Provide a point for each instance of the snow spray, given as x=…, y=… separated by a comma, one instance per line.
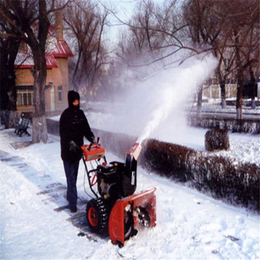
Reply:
x=151, y=108
x=172, y=89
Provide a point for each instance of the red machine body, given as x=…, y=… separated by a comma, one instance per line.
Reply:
x=141, y=206
x=116, y=208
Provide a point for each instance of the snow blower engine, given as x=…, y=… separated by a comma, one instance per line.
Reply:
x=116, y=208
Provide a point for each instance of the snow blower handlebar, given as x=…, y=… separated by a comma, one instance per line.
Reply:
x=93, y=151
x=97, y=143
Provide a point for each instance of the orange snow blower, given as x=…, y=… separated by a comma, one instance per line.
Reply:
x=116, y=208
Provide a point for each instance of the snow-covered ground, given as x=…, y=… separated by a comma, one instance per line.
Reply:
x=189, y=225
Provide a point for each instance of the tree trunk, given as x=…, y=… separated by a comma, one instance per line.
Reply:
x=253, y=103
x=39, y=131
x=199, y=101
x=240, y=76
x=223, y=94
x=222, y=84
x=253, y=87
x=239, y=99
x=8, y=97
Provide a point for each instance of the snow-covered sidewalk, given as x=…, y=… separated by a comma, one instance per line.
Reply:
x=35, y=226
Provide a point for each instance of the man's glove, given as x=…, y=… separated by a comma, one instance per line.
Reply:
x=73, y=146
x=93, y=140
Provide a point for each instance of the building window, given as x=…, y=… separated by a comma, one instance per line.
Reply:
x=30, y=99
x=19, y=99
x=24, y=96
x=59, y=93
x=25, y=103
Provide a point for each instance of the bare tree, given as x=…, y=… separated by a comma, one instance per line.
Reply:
x=31, y=18
x=205, y=23
x=227, y=29
x=86, y=23
x=244, y=23
x=9, y=44
x=251, y=59
x=152, y=38
x=226, y=26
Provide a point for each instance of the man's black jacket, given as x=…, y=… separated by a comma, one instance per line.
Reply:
x=73, y=127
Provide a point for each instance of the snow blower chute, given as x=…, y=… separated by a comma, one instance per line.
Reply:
x=116, y=208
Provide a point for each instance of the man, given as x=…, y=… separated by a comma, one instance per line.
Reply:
x=73, y=127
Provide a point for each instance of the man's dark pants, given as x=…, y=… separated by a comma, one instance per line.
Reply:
x=71, y=171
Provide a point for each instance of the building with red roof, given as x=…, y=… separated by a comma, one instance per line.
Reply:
x=57, y=81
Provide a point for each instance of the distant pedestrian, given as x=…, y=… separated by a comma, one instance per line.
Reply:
x=73, y=127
